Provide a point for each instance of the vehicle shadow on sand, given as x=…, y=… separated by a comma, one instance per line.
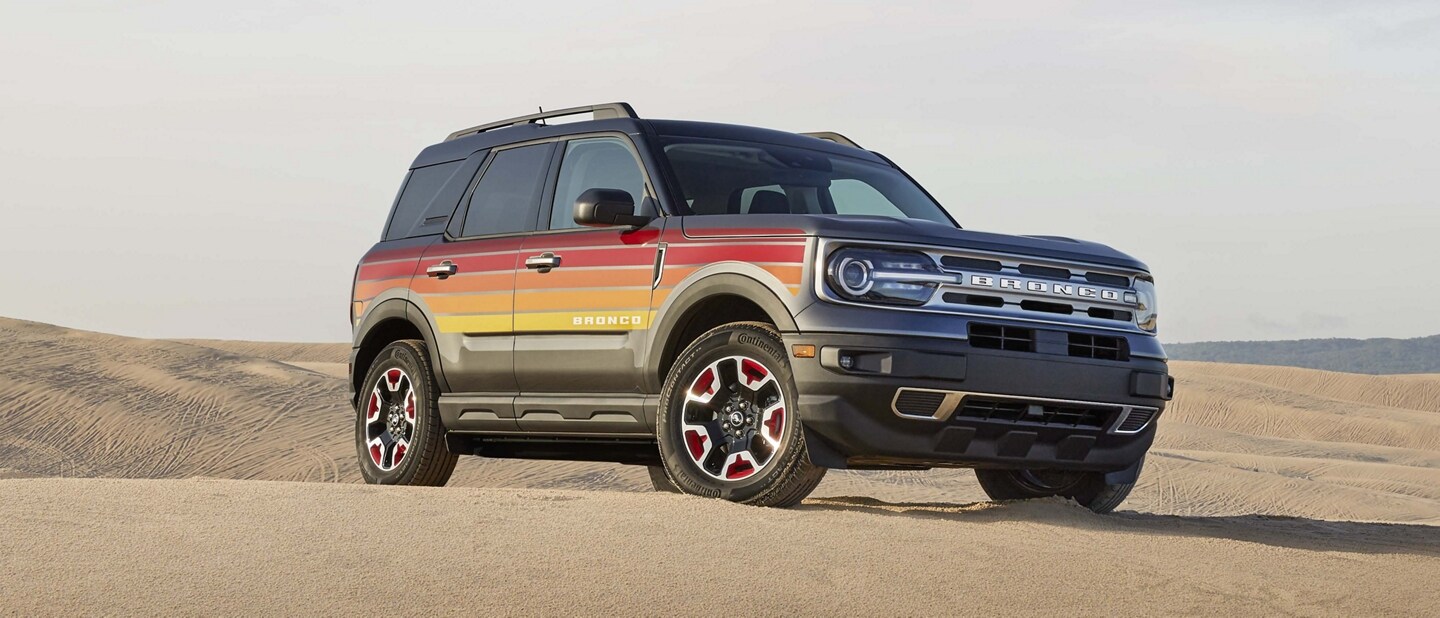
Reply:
x=1291, y=532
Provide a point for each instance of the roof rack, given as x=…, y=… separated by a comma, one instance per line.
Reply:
x=831, y=136
x=603, y=111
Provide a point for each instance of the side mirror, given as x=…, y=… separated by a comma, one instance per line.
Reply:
x=606, y=207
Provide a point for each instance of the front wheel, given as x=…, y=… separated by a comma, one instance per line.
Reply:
x=1089, y=489
x=728, y=426
x=398, y=435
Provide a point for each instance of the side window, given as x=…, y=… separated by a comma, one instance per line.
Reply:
x=414, y=208
x=855, y=197
x=598, y=163
x=508, y=194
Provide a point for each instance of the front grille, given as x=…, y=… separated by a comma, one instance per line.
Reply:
x=1099, y=346
x=1052, y=414
x=996, y=337
x=911, y=402
x=1017, y=286
x=1136, y=420
x=1078, y=345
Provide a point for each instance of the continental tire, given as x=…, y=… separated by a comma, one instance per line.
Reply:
x=728, y=426
x=399, y=438
x=660, y=481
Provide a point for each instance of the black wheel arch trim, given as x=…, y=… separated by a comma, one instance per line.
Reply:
x=688, y=295
x=389, y=310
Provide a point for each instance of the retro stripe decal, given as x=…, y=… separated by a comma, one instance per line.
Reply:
x=597, y=288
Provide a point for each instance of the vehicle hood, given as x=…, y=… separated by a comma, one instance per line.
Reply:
x=888, y=229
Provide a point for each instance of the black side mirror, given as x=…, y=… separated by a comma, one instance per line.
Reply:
x=606, y=207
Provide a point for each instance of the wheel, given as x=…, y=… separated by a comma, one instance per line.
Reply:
x=728, y=426
x=1087, y=488
x=660, y=481
x=398, y=435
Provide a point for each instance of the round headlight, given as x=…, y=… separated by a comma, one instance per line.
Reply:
x=854, y=276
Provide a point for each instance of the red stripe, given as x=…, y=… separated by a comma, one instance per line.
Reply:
x=597, y=238
x=390, y=270
x=483, y=245
x=402, y=253
x=681, y=254
x=478, y=263
x=619, y=256
x=697, y=231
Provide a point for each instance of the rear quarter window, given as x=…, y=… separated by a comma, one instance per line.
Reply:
x=428, y=198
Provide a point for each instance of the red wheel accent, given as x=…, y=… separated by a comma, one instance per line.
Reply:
x=705, y=384
x=775, y=423
x=755, y=372
x=389, y=421
x=733, y=418
x=740, y=467
x=696, y=443
x=374, y=408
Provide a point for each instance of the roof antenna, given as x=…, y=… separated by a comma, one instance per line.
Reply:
x=542, y=110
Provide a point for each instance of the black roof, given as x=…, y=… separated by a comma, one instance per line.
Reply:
x=461, y=147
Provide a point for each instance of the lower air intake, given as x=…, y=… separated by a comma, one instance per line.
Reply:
x=1135, y=421
x=912, y=402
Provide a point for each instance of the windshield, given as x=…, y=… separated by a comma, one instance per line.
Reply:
x=720, y=177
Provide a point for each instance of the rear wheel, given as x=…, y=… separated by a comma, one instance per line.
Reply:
x=728, y=427
x=398, y=435
x=1089, y=489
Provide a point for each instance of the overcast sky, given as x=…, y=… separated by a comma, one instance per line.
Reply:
x=171, y=169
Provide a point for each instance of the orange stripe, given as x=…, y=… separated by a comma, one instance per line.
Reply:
x=486, y=282
x=581, y=300
x=471, y=303
x=370, y=289
x=598, y=278
x=788, y=275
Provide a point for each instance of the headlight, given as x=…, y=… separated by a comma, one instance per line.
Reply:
x=1145, y=314
x=878, y=276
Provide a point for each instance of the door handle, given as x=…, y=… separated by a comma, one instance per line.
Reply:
x=442, y=270
x=543, y=262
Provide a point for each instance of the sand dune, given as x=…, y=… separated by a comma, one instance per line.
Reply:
x=283, y=548
x=1237, y=440
x=1230, y=516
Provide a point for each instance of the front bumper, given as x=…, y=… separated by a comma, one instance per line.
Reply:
x=917, y=401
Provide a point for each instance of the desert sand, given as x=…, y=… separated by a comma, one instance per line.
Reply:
x=132, y=467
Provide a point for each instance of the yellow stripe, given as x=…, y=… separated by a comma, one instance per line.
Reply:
x=638, y=319
x=474, y=323
x=471, y=303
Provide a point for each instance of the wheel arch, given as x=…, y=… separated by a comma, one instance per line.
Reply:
x=385, y=323
x=708, y=300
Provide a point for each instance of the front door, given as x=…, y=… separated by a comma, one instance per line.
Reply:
x=582, y=306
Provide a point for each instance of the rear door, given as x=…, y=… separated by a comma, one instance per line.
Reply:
x=468, y=283
x=580, y=324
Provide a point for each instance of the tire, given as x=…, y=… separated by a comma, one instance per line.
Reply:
x=739, y=438
x=660, y=481
x=399, y=438
x=1089, y=489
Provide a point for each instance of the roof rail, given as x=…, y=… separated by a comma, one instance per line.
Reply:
x=831, y=136
x=602, y=111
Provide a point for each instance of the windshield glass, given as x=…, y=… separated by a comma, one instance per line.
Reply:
x=727, y=177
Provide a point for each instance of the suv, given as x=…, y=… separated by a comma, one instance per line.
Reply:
x=738, y=309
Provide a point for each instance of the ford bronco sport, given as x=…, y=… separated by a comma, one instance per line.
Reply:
x=740, y=310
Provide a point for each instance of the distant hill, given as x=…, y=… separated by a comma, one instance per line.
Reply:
x=1373, y=356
